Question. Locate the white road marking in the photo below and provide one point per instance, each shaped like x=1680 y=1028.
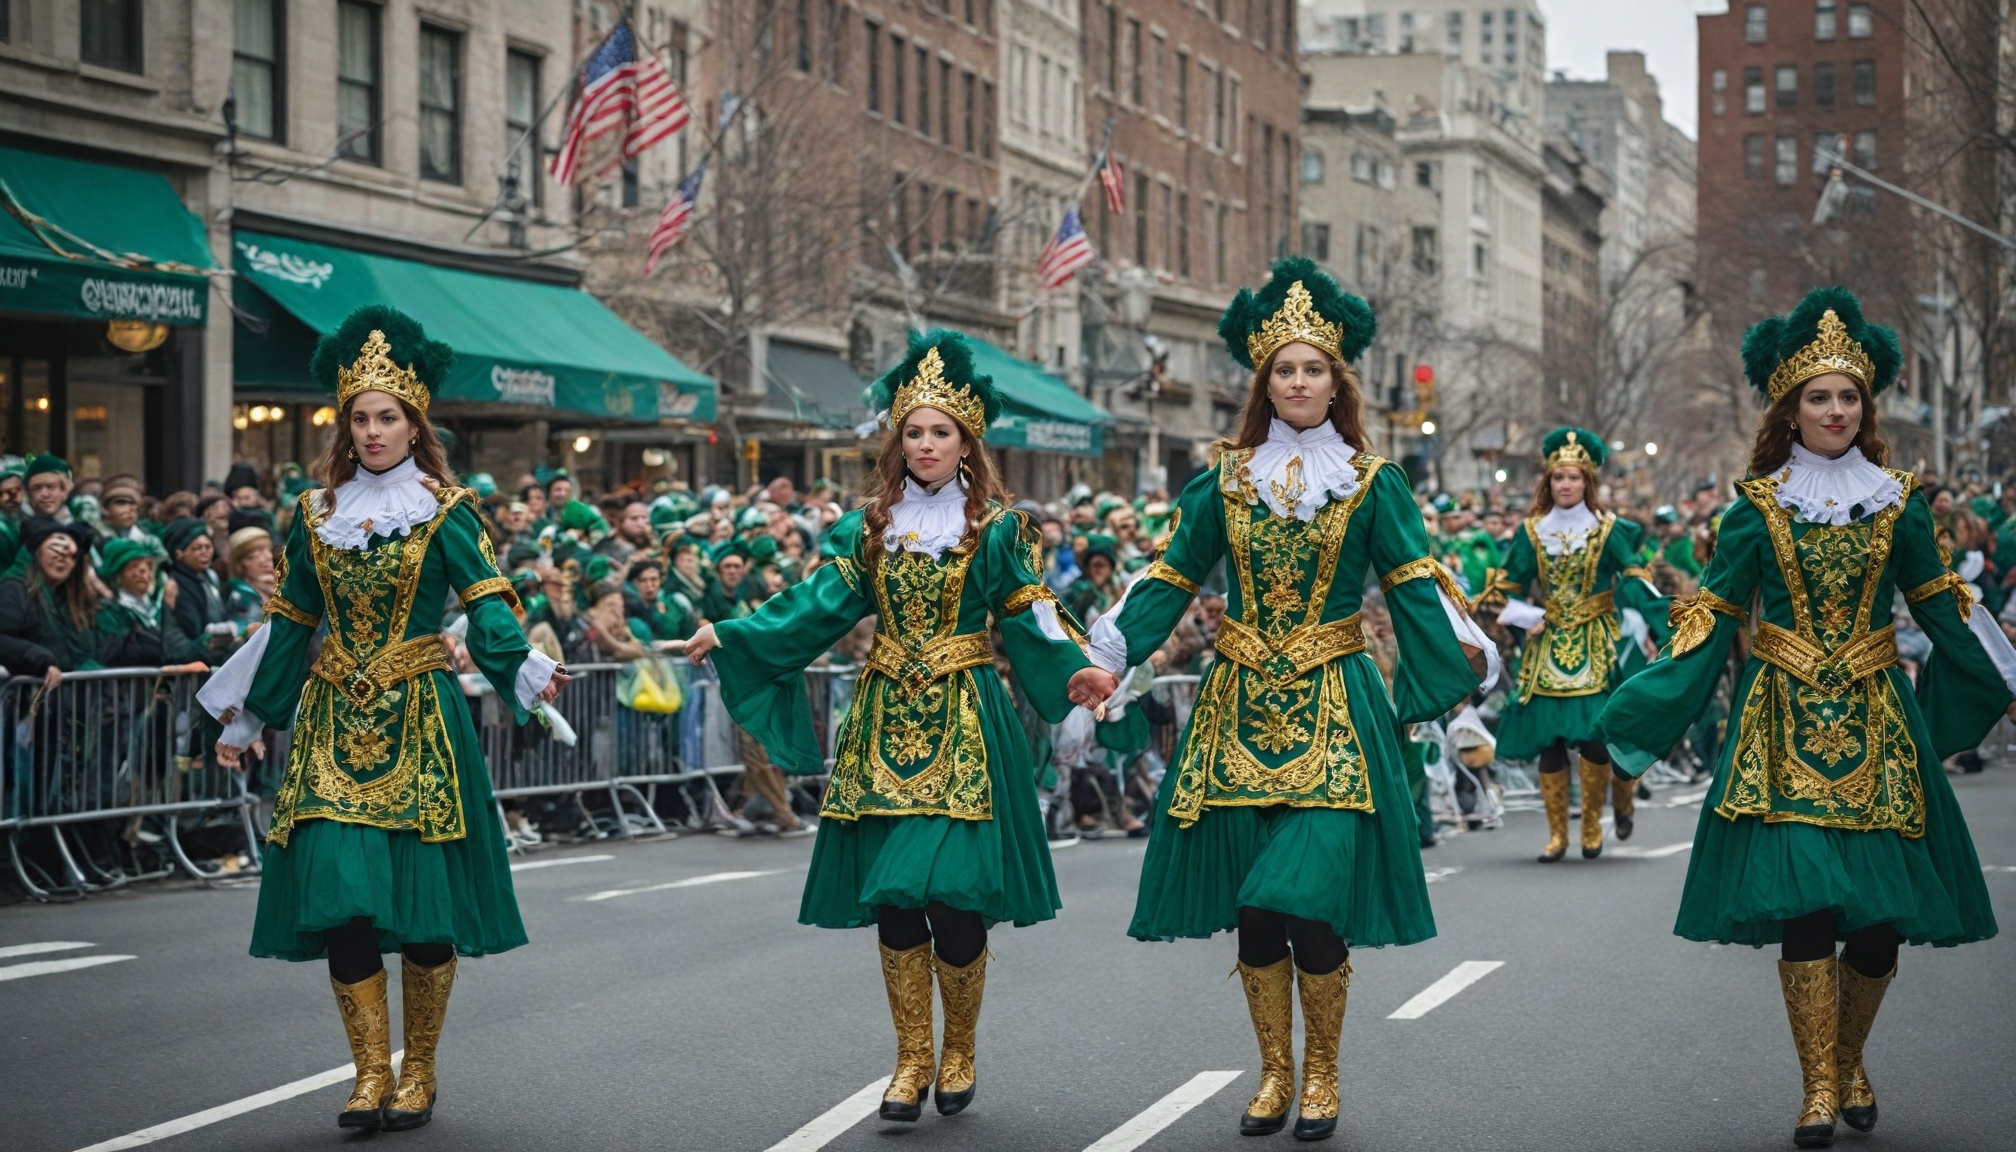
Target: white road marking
x=689 y=882
x=835 y=1120
x=1434 y=874
x=50 y=967
x=1690 y=798
x=250 y=1103
x=558 y=861
x=1653 y=853
x=1440 y=992
x=13 y=950
x=1163 y=1113
x=1997 y=868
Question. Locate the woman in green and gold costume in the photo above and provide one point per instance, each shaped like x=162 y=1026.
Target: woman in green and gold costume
x=384 y=834
x=1586 y=564
x=1285 y=813
x=1829 y=817
x=930 y=828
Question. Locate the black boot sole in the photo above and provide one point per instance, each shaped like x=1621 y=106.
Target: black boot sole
x=361 y=1120
x=1591 y=853
x=1251 y=1125
x=1625 y=827
x=1860 y=1119
x=953 y=1103
x=904 y=1113
x=1315 y=1129
x=1813 y=1136
x=407 y=1121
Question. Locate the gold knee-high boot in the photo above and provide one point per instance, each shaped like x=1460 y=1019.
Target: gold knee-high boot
x=1624 y=805
x=907 y=976
x=1270 y=1000
x=425 y=992
x=1323 y=1000
x=1595 y=788
x=1861 y=996
x=368 y=1024
x=959 y=990
x=1554 y=792
x=1812 y=1005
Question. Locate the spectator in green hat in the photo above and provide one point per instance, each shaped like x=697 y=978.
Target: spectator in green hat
x=1099 y=588
x=135 y=629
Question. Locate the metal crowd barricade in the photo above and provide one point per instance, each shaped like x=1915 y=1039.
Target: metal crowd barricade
x=525 y=760
x=108 y=745
x=714 y=753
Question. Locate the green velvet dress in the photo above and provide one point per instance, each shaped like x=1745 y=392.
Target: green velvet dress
x=385 y=808
x=932 y=797
x=1288 y=790
x=1567 y=672
x=1828 y=793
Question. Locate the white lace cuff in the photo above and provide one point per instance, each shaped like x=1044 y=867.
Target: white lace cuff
x=230 y=684
x=242 y=730
x=534 y=674
x=1992 y=639
x=1518 y=613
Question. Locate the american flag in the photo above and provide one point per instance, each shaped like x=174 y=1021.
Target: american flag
x=1067 y=251
x=620 y=89
x=1114 y=181
x=672 y=223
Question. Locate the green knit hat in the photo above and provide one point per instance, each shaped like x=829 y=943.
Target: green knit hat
x=47 y=462
x=123 y=551
x=1574 y=446
x=1300 y=302
x=580 y=516
x=1100 y=544
x=1825 y=333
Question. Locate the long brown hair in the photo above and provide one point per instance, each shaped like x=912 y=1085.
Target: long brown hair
x=1543 y=492
x=883 y=489
x=1775 y=435
x=337 y=466
x=76 y=595
x=1346 y=409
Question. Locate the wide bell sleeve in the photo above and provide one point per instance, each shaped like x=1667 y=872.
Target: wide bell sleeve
x=1430 y=624
x=1634 y=590
x=495 y=639
x=1649 y=713
x=1040 y=637
x=1504 y=588
x=260 y=685
x=1155 y=603
x=762 y=657
x=1965 y=685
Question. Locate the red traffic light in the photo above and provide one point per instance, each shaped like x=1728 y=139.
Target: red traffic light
x=1423 y=374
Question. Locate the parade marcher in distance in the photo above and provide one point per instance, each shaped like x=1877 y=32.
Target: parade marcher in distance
x=1829 y=817
x=383 y=835
x=930 y=829
x=1585 y=562
x=1285 y=814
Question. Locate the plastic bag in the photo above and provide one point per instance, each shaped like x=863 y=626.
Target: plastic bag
x=650 y=685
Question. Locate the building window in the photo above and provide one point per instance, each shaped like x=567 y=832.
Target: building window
x=1826 y=149
x=1141 y=219
x=257 y=80
x=357 y=84
x=1823 y=85
x=1183 y=234
x=1426 y=254
x=1424 y=174
x=969 y=83
x=1753 y=90
x=1168 y=226
x=1112 y=51
x=1511 y=36
x=1823 y=19
x=1753 y=156
x=945 y=102
x=1865 y=148
x=440 y=105
x=1718 y=91
x=1485 y=30
x=987 y=117
x=874 y=40
x=899 y=51
x=1158 y=91
x=1861 y=25
x=1312 y=166
x=1316 y=242
x=109 y=34
x=801 y=58
x=521 y=109
x=1182 y=93
x=1134 y=92
x=1480 y=259
x=923 y=91
x=1787 y=168
x=1788 y=86
x=1753 y=23
x=1224 y=225
x=1865 y=82
x=1232 y=114
x=829 y=44
x=1455 y=19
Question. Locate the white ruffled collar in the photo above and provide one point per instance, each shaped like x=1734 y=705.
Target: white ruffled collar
x=378 y=504
x=1566 y=531
x=1295 y=473
x=1835 y=491
x=926 y=521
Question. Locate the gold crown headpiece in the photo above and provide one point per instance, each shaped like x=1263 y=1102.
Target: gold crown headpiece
x=1573 y=452
x=1297 y=319
x=1832 y=350
x=930 y=389
x=375 y=371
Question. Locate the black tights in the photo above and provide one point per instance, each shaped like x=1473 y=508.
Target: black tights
x=958 y=937
x=353 y=952
x=1872 y=951
x=1264 y=937
x=1554 y=758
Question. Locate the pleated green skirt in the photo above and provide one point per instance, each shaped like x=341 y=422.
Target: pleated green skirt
x=1528 y=729
x=999 y=867
x=1359 y=872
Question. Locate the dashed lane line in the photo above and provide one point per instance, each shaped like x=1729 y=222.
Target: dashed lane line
x=1162 y=1113
x=1434 y=874
x=689 y=882
x=835 y=1120
x=1660 y=853
x=51 y=967
x=12 y=950
x=1443 y=990
x=559 y=861
x=222 y=1112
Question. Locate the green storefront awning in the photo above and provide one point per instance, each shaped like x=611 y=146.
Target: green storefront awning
x=808 y=385
x=515 y=341
x=1039 y=412
x=98 y=242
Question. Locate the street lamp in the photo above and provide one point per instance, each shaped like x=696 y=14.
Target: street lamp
x=1427 y=427
x=1499 y=475
x=1651 y=449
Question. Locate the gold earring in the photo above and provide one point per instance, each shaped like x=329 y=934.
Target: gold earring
x=353 y=452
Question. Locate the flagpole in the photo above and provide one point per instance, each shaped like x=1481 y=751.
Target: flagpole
x=1042 y=293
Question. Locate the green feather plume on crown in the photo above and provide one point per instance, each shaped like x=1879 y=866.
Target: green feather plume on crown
x=429 y=359
x=1249 y=310
x=1775 y=339
x=1590 y=442
x=955 y=354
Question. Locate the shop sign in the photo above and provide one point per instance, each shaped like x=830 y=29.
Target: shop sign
x=128 y=299
x=522 y=385
x=1057 y=436
x=672 y=402
x=16 y=275
x=286 y=266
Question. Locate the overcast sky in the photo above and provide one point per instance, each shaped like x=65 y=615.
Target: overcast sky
x=1579 y=32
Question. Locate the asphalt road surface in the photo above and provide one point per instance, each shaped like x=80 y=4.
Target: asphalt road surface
x=669 y=1000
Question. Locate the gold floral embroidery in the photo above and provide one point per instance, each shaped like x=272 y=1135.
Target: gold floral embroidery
x=1574 y=654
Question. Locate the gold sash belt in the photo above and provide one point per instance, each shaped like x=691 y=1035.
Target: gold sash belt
x=935 y=659
x=1865 y=655
x=363 y=683
x=1306 y=647
x=1601 y=604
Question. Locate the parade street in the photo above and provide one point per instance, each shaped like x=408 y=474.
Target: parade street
x=669 y=1000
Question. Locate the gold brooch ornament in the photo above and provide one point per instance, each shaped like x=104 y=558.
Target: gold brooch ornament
x=930 y=389
x=1572 y=452
x=1296 y=320
x=375 y=371
x=1832 y=350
